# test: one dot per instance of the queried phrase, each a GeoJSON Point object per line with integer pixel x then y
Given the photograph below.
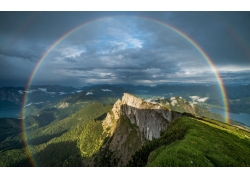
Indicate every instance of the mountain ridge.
{"type": "Point", "coordinates": [129, 125]}
{"type": "Point", "coordinates": [152, 119]}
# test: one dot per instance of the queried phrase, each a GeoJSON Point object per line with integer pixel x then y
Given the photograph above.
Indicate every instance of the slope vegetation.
{"type": "Point", "coordinates": [195, 141]}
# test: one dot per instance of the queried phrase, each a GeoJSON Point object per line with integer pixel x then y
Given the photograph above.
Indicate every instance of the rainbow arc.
{"type": "Point", "coordinates": [174, 29]}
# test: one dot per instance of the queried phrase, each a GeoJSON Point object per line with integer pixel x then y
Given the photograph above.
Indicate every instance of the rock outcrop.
{"type": "Point", "coordinates": [63, 105]}
{"type": "Point", "coordinates": [129, 125]}
{"type": "Point", "coordinates": [151, 119]}
{"type": "Point", "coordinates": [109, 124]}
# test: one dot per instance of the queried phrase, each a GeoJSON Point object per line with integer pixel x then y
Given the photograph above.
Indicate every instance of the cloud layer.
{"type": "Point", "coordinates": [123, 48]}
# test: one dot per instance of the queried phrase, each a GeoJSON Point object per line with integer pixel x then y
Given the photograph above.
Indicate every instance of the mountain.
{"type": "Point", "coordinates": [130, 124]}
{"type": "Point", "coordinates": [131, 132]}
{"type": "Point", "coordinates": [182, 105]}
{"type": "Point", "coordinates": [12, 97]}
{"type": "Point", "coordinates": [41, 95]}
{"type": "Point", "coordinates": [136, 128]}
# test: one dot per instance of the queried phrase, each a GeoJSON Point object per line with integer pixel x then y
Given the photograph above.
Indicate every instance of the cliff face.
{"type": "Point", "coordinates": [130, 124]}
{"type": "Point", "coordinates": [109, 124]}
{"type": "Point", "coordinates": [151, 119]}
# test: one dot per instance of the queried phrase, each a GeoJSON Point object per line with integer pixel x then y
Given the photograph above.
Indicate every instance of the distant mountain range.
{"type": "Point", "coordinates": [12, 97]}
{"type": "Point", "coordinates": [239, 95]}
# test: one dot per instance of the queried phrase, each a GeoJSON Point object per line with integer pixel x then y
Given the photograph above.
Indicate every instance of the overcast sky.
{"type": "Point", "coordinates": [123, 47]}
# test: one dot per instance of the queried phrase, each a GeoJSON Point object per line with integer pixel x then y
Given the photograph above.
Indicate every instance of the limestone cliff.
{"type": "Point", "coordinates": [130, 124]}
{"type": "Point", "coordinates": [151, 119]}
{"type": "Point", "coordinates": [109, 124]}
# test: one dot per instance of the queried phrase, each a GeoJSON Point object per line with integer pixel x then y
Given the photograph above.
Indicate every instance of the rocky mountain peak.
{"type": "Point", "coordinates": [138, 103]}
{"type": "Point", "coordinates": [131, 100]}
{"type": "Point", "coordinates": [151, 119]}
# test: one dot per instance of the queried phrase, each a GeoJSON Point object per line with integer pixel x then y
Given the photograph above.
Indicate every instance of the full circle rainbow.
{"type": "Point", "coordinates": [185, 36]}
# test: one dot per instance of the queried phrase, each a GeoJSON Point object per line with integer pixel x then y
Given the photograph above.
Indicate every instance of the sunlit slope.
{"type": "Point", "coordinates": [205, 143]}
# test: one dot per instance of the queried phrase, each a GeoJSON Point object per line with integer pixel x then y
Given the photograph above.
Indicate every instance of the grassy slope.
{"type": "Point", "coordinates": [70, 148]}
{"type": "Point", "coordinates": [81, 141]}
{"type": "Point", "coordinates": [206, 143]}
{"type": "Point", "coordinates": [57, 128]}
{"type": "Point", "coordinates": [9, 128]}
{"type": "Point", "coordinates": [11, 157]}
{"type": "Point", "coordinates": [61, 139]}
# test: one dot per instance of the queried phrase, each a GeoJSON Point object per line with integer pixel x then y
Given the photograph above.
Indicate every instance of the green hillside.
{"type": "Point", "coordinates": [195, 142]}
{"type": "Point", "coordinates": [46, 143]}
{"type": "Point", "coordinates": [72, 147]}
{"type": "Point", "coordinates": [57, 128]}
{"type": "Point", "coordinates": [10, 130]}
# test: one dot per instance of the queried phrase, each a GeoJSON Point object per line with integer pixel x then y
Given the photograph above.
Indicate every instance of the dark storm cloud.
{"type": "Point", "coordinates": [12, 73]}
{"type": "Point", "coordinates": [131, 49]}
{"type": "Point", "coordinates": [223, 35]}
{"type": "Point", "coordinates": [39, 24]}
{"type": "Point", "coordinates": [236, 75]}
{"type": "Point", "coordinates": [127, 63]}
{"type": "Point", "coordinates": [31, 54]}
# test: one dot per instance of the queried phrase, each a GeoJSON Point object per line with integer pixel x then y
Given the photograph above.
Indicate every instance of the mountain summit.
{"type": "Point", "coordinates": [130, 124]}
{"type": "Point", "coordinates": [151, 119]}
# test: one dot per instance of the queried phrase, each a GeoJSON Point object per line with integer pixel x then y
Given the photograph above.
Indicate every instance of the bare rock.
{"type": "Point", "coordinates": [151, 119]}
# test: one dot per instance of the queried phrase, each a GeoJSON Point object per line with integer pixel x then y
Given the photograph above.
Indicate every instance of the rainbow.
{"type": "Point", "coordinates": [185, 36]}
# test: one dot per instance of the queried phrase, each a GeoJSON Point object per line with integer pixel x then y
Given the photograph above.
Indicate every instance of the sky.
{"type": "Point", "coordinates": [125, 47]}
